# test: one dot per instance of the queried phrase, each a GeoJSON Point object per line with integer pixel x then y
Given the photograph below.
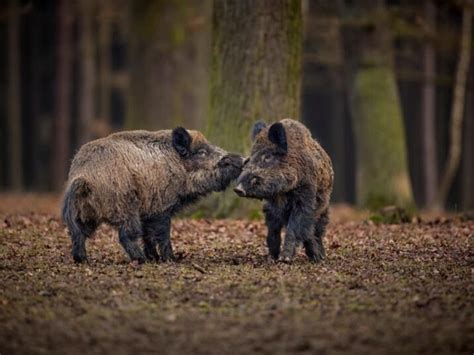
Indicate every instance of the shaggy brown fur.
{"type": "Point", "coordinates": [293, 174]}
{"type": "Point", "coordinates": [134, 178]}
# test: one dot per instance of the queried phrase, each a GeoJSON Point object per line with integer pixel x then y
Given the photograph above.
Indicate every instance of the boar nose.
{"type": "Point", "coordinates": [231, 159]}
{"type": "Point", "coordinates": [239, 190]}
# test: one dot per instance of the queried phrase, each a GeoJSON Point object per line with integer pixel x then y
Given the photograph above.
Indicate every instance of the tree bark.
{"type": "Point", "coordinates": [169, 64]}
{"type": "Point", "coordinates": [87, 64]}
{"type": "Point", "coordinates": [428, 107]}
{"type": "Point", "coordinates": [324, 98]}
{"type": "Point", "coordinates": [15, 141]}
{"type": "Point", "coordinates": [256, 74]}
{"type": "Point", "coordinates": [62, 119]}
{"type": "Point", "coordinates": [104, 75]}
{"type": "Point", "coordinates": [467, 189]}
{"type": "Point", "coordinates": [256, 67]}
{"type": "Point", "coordinates": [457, 109]}
{"type": "Point", "coordinates": [382, 169]}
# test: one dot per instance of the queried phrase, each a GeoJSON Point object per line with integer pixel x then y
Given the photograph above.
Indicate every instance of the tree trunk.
{"type": "Point", "coordinates": [467, 188]}
{"type": "Point", "coordinates": [457, 109]}
{"type": "Point", "coordinates": [14, 150]}
{"type": "Point", "coordinates": [87, 65]}
{"type": "Point", "coordinates": [382, 172]}
{"type": "Point", "coordinates": [256, 74]}
{"type": "Point", "coordinates": [104, 75]}
{"type": "Point", "coordinates": [169, 64]}
{"type": "Point", "coordinates": [256, 67]}
{"type": "Point", "coordinates": [324, 98]}
{"type": "Point", "coordinates": [428, 107]}
{"type": "Point", "coordinates": [62, 119]}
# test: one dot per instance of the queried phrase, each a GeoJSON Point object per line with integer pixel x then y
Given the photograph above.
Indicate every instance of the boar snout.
{"type": "Point", "coordinates": [231, 160]}
{"type": "Point", "coordinates": [239, 190]}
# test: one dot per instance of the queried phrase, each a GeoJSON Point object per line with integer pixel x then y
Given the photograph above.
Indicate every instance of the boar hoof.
{"type": "Point", "coordinates": [79, 258]}
{"type": "Point", "coordinates": [285, 259]}
{"type": "Point", "coordinates": [271, 259]}
{"type": "Point", "coordinates": [315, 259]}
{"type": "Point", "coordinates": [138, 261]}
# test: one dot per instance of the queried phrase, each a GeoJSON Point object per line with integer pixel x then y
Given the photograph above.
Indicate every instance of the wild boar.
{"type": "Point", "coordinates": [136, 181]}
{"type": "Point", "coordinates": [291, 172]}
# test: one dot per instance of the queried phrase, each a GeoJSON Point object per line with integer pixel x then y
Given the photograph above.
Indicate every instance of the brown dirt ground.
{"type": "Point", "coordinates": [383, 289]}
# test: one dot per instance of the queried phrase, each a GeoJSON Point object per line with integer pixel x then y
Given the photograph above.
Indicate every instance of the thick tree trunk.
{"type": "Point", "coordinates": [14, 148]}
{"type": "Point", "coordinates": [256, 67]}
{"type": "Point", "coordinates": [62, 119]}
{"type": "Point", "coordinates": [428, 107]}
{"type": "Point", "coordinates": [457, 109]}
{"type": "Point", "coordinates": [256, 74]}
{"type": "Point", "coordinates": [382, 169]}
{"type": "Point", "coordinates": [170, 43]}
{"type": "Point", "coordinates": [87, 64]}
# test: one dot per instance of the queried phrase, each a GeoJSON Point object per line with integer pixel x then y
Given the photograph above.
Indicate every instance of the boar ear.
{"type": "Point", "coordinates": [181, 141]}
{"type": "Point", "coordinates": [257, 127]}
{"type": "Point", "coordinates": [277, 135]}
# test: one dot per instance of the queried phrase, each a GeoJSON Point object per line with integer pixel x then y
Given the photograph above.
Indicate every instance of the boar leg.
{"type": "Point", "coordinates": [164, 240]}
{"type": "Point", "coordinates": [78, 237]}
{"type": "Point", "coordinates": [157, 230]}
{"type": "Point", "coordinates": [149, 242]}
{"type": "Point", "coordinates": [319, 229]}
{"type": "Point", "coordinates": [274, 222]}
{"type": "Point", "coordinates": [300, 227]}
{"type": "Point", "coordinates": [128, 236]}
{"type": "Point", "coordinates": [149, 248]}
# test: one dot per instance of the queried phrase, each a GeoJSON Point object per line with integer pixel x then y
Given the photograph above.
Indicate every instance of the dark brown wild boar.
{"type": "Point", "coordinates": [290, 171]}
{"type": "Point", "coordinates": [136, 181]}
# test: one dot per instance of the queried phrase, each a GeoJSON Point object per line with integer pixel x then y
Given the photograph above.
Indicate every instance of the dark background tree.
{"type": "Point", "coordinates": [169, 51]}
{"type": "Point", "coordinates": [75, 71]}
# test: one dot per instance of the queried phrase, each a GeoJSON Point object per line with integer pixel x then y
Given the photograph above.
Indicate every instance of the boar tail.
{"type": "Point", "coordinates": [78, 190]}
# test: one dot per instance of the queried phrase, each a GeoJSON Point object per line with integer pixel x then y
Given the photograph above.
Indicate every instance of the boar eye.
{"type": "Point", "coordinates": [202, 152]}
{"type": "Point", "coordinates": [266, 158]}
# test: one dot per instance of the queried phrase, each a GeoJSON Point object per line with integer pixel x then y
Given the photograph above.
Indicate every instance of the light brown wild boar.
{"type": "Point", "coordinates": [292, 173]}
{"type": "Point", "coordinates": [136, 181]}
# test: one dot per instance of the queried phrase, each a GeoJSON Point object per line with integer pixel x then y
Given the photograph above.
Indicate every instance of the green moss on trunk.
{"type": "Point", "coordinates": [382, 175]}
{"type": "Point", "coordinates": [256, 73]}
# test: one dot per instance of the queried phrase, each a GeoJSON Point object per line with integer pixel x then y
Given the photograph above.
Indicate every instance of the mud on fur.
{"type": "Point", "coordinates": [136, 181]}
{"type": "Point", "coordinates": [291, 172]}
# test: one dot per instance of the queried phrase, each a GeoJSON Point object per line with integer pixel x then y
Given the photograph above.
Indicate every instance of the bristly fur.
{"type": "Point", "coordinates": [136, 181]}
{"type": "Point", "coordinates": [292, 173]}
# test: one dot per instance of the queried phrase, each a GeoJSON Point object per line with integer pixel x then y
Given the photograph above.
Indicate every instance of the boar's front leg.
{"type": "Point", "coordinates": [319, 229]}
{"type": "Point", "coordinates": [149, 248]}
{"type": "Point", "coordinates": [157, 230]}
{"type": "Point", "coordinates": [274, 222]}
{"type": "Point", "coordinates": [299, 228]}
{"type": "Point", "coordinates": [128, 235]}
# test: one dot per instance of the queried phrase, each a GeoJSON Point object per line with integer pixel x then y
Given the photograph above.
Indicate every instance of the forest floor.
{"type": "Point", "coordinates": [405, 288]}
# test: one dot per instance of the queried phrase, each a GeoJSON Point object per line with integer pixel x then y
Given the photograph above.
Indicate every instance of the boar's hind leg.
{"type": "Point", "coordinates": [157, 230]}
{"type": "Point", "coordinates": [78, 237]}
{"type": "Point", "coordinates": [128, 235]}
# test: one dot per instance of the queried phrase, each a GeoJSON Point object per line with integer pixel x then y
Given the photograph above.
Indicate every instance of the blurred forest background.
{"type": "Point", "coordinates": [386, 86]}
